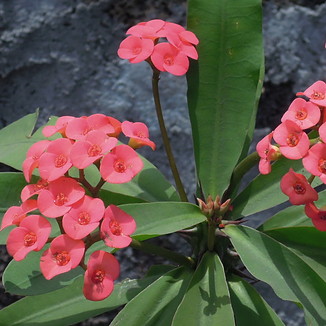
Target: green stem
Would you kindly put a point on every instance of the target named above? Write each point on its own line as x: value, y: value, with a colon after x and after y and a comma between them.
x: 168, y: 254
x: 211, y: 235
x: 166, y: 142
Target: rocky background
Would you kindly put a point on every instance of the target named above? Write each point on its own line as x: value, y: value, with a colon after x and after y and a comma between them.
x: 60, y: 56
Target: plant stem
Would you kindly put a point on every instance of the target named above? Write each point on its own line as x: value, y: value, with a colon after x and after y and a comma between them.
x: 211, y: 235
x: 168, y: 254
x: 166, y: 142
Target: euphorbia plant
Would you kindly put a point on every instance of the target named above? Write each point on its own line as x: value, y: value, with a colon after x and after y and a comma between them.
x: 89, y: 195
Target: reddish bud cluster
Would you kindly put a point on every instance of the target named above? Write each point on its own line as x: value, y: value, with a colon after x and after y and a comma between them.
x: 56, y: 195
x: 293, y: 143
x: 172, y: 56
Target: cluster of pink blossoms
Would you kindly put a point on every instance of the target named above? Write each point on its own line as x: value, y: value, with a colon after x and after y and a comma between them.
x: 82, y: 216
x: 292, y: 142
x: 172, y: 56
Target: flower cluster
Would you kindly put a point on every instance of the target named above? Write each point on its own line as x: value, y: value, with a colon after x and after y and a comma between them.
x: 172, y: 56
x: 293, y: 142
x: 73, y: 202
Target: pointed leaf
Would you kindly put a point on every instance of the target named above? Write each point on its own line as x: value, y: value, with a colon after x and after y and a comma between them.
x: 68, y: 306
x: 207, y: 300
x: 307, y: 242
x: 160, y: 218
x: 156, y: 305
x: 222, y: 85
x: 248, y: 305
x: 290, y: 277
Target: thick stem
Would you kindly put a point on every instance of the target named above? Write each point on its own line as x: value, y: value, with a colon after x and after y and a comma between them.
x: 159, y: 251
x: 166, y: 142
x: 211, y: 235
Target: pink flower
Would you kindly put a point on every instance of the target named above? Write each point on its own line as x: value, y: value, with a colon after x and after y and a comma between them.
x: 135, y: 49
x: 167, y: 57
x: 32, y: 158
x: 315, y: 161
x: 294, y: 143
x: 296, y: 186
x: 63, y: 255
x: 322, y: 132
x: 93, y: 147
x: 15, y: 214
x: 318, y: 216
x: 316, y: 93
x: 83, y: 217
x: 138, y: 133
x: 149, y: 30
x: 33, y: 189
x: 304, y: 114
x: 61, y: 195
x: 102, y: 269
x: 80, y: 127
x: 56, y: 161
x: 116, y: 227
x: 267, y: 153
x: 60, y: 126
x: 121, y: 165
x: 31, y: 235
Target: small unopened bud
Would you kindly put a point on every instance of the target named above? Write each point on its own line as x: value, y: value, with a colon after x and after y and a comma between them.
x: 225, y: 206
x: 217, y: 203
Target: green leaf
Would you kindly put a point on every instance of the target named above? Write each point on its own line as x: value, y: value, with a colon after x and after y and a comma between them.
x: 248, y: 305
x: 207, y: 300
x: 222, y: 85
x: 264, y: 191
x: 156, y: 305
x: 11, y: 185
x: 292, y: 216
x: 307, y: 242
x: 15, y: 139
x: 154, y: 219
x: 289, y: 276
x: 68, y: 306
x: 25, y: 277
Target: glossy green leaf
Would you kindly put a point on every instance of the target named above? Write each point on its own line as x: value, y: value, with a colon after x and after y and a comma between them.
x: 289, y: 276
x: 156, y: 305
x: 207, y: 300
x: 307, y: 242
x: 264, y: 191
x: 248, y: 305
x: 11, y: 185
x: 154, y: 219
x: 222, y: 85
x: 68, y: 306
x: 25, y: 278
x: 292, y: 216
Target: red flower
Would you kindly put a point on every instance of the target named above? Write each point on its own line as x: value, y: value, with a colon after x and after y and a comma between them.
x: 315, y: 161
x: 167, y: 57
x: 102, y: 269
x: 318, y: 216
x: 83, y: 217
x: 63, y: 255
x: 296, y: 186
x: 138, y: 133
x: 120, y: 165
x: 316, y: 93
x: 294, y: 143
x: 116, y: 227
x: 31, y: 235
